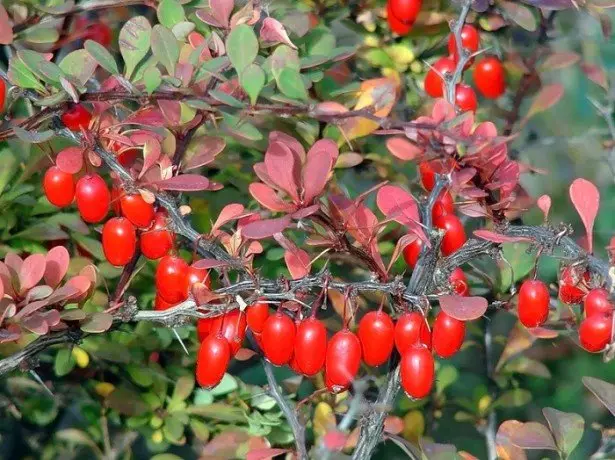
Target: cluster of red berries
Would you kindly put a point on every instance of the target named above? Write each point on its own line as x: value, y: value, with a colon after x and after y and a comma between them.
x: 175, y: 279
x: 401, y: 14
x: 489, y: 75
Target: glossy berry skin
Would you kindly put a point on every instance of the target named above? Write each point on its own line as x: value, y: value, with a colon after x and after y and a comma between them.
x: 232, y: 326
x: 443, y: 205
x: 572, y: 285
x: 597, y: 303
x: 411, y: 329
x: 342, y: 361
x: 412, y: 252
x: 595, y: 332
x: 533, y: 304
x: 465, y: 98
x: 158, y: 241
x: 377, y: 335
x: 490, y: 77
x: 447, y: 335
x: 93, y: 198
x: 172, y: 279
x: 278, y: 339
x: 137, y: 210
x: 459, y: 282
x: 417, y: 372
x: 119, y: 241
x: 310, y: 346
x: 76, y: 118
x: 204, y: 327
x: 454, y: 236
x: 212, y: 360
x: 434, y: 85
x: 428, y: 176
x: 470, y: 40
x: 405, y: 11
x: 257, y: 315
x: 198, y: 275
x: 59, y: 187
x: 2, y: 94
x: 395, y: 24
x: 160, y: 304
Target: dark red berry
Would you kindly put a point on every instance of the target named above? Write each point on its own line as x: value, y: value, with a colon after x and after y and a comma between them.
x: 158, y: 241
x: 454, y: 236
x: 533, y: 305
x: 459, y: 282
x: 465, y: 98
x: 490, y: 77
x: 172, y: 279
x: 412, y: 252
x: 443, y: 205
x: 232, y: 326
x: 434, y: 84
x: 212, y: 360
x: 137, y: 210
x: 257, y: 315
x: 395, y: 24
x: 597, y: 303
x: 405, y: 11
x: 342, y: 361
x: 76, y: 118
x: 470, y: 41
x: 595, y: 332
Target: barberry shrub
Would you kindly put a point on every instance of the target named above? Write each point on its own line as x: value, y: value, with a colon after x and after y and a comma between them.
x: 239, y: 229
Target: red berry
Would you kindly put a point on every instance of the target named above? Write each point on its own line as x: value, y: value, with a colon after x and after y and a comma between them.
x: 573, y: 285
x: 411, y: 329
x: 257, y: 314
x: 428, y: 176
x: 489, y: 77
x: 93, y: 198
x: 258, y: 338
x: 294, y: 365
x: 405, y: 11
x: 160, y: 304
x: 198, y: 275
x: 137, y: 210
x: 447, y: 335
x: 76, y: 118
x: 417, y: 371
x: 99, y: 32
x: 465, y: 98
x: 311, y: 346
x: 172, y: 279
x: 395, y: 24
x: 470, y: 40
x: 533, y: 305
x: 454, y: 233
x: 203, y: 327
x: 212, y: 360
x: 459, y: 282
x: 119, y: 241
x: 128, y: 157
x: 595, y: 332
x: 412, y: 252
x: 59, y: 186
x: 597, y: 303
x: 2, y: 94
x: 434, y: 84
x: 279, y: 339
x: 342, y: 361
x: 377, y: 335
x: 443, y: 205
x: 232, y: 326
x: 157, y: 242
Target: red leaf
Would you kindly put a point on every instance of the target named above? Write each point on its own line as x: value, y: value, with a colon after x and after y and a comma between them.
x: 206, y: 152
x: 151, y: 154
x: 463, y: 308
x: 596, y: 74
x: 32, y: 271
x: 403, y: 149
x: 171, y: 111
x: 185, y: 183
x: 70, y: 160
x: 297, y: 260
x: 229, y: 212
x: 320, y: 161
x: 543, y: 333
x: 274, y: 32
x: 281, y: 166
x: 305, y: 212
x: 36, y: 324
x: 334, y: 440
x: 293, y: 144
x: 544, y: 203
x: 6, y: 275
x: 222, y: 9
x: 400, y: 206
x: 586, y: 199
x: 533, y: 435
x: 265, y: 228
x: 547, y: 97
x: 209, y: 263
x: 6, y: 30
x: 268, y: 197
x: 393, y: 424
x: 499, y: 238
x: 13, y: 261
x: 265, y: 454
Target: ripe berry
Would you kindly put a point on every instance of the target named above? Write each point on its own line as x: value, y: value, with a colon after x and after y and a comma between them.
x: 572, y: 285
x: 212, y: 360
x: 465, y: 98
x: 128, y: 157
x: 459, y: 282
x: 533, y: 305
x: 137, y: 210
x: 119, y: 241
x: 158, y: 241
x: 204, y: 327
x: 160, y: 304
x: 59, y: 186
x: 417, y: 371
x: 411, y: 329
x: 342, y: 361
x: 93, y: 198
x: 489, y: 77
x: 172, y: 279
x: 405, y: 11
x: 454, y: 233
x: 232, y: 326
x: 310, y: 346
x: 2, y: 94
x: 470, y: 40
x: 198, y: 275
x: 428, y: 176
x: 597, y: 303
x: 257, y: 314
x: 412, y: 252
x: 443, y: 205
x: 76, y: 118
x: 434, y: 84
x: 279, y: 339
x: 395, y: 24
x: 99, y: 32
x: 377, y: 335
x: 447, y: 335
x: 595, y: 332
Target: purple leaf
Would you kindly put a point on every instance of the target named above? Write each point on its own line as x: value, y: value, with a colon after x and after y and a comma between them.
x: 586, y: 199
x: 273, y: 31
x: 463, y: 308
x: 29, y: 309
x: 221, y: 10
x: 320, y: 161
x: 229, y: 212
x: 171, y: 110
x: 268, y: 198
x: 400, y: 206
x: 297, y: 260
x: 13, y: 261
x: 551, y: 4
x: 36, y: 324
x: 403, y: 149
x: 151, y: 154
x: 32, y: 271
x: 533, y: 435
x: 6, y: 30
x: 265, y: 228
x: 281, y: 165
x: 185, y: 183
x: 566, y: 427
x: 70, y: 160
x: 604, y: 391
x: 206, y: 152
x: 293, y: 144
x: 305, y: 212
x: 499, y: 238
x: 209, y: 263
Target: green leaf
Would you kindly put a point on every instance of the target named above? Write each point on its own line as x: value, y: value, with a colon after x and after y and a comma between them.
x: 199, y: 429
x: 183, y: 388
x: 43, y: 232
x: 152, y: 79
x: 134, y: 42
x: 41, y: 67
x: 140, y: 374
x: 567, y: 428
x: 165, y: 48
x: 100, y: 54
x: 226, y: 99
x: 604, y: 391
x: 22, y: 76
x: 8, y: 166
x: 127, y: 402
x: 514, y: 398
x: 211, y: 68
x: 242, y: 47
x: 79, y: 64
x: 182, y: 29
x: 32, y: 137
x: 446, y: 376
x: 227, y: 385
x: 64, y: 362
x: 252, y: 80
x: 165, y: 457
x: 263, y: 401
x: 203, y: 397
x: 75, y: 436
x: 291, y: 84
x: 221, y: 412
x: 42, y: 34
x: 173, y: 429
x: 170, y: 12
x: 240, y: 128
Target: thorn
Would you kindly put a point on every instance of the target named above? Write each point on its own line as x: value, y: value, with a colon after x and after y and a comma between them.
x: 41, y: 383
x: 179, y: 339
